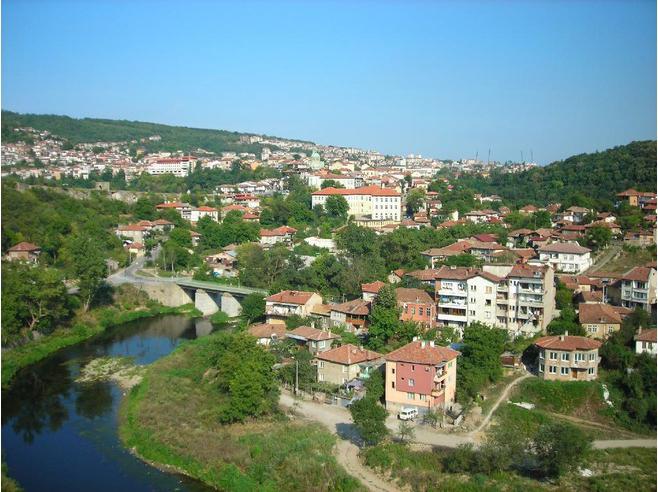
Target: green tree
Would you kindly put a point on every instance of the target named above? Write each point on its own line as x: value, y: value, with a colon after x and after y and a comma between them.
x: 87, y: 265
x: 369, y: 418
x: 560, y: 447
x: 566, y: 322
x: 253, y: 308
x: 415, y: 200
x: 598, y: 237
x: 144, y: 209
x: 406, y: 431
x: 480, y: 361
x: 384, y: 318
x: 337, y: 207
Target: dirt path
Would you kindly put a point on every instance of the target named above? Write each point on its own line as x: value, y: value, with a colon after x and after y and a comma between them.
x: 604, y: 258
x: 625, y: 443
x: 346, y: 452
x: 596, y: 425
x: 501, y: 398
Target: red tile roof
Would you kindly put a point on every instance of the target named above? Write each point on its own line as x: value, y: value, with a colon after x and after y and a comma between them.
x: 413, y: 295
x: 291, y: 297
x: 24, y: 246
x: 646, y: 336
x: 598, y: 313
x: 267, y: 330
x: 640, y: 274
x: 527, y: 271
x: 309, y: 333
x: 422, y: 352
x: 568, y: 342
x: 569, y: 248
x: 373, y: 287
x: 348, y: 354
x: 358, y: 307
x: 365, y: 190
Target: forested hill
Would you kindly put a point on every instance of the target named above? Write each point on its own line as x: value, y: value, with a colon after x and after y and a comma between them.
x: 598, y: 176
x: 89, y: 130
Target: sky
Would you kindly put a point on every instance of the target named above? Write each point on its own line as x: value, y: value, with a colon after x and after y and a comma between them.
x: 442, y: 79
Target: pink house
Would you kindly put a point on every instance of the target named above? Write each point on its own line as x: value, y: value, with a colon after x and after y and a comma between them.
x: 421, y: 375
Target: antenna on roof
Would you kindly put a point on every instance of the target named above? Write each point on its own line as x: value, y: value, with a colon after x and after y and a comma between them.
x: 489, y: 156
x: 532, y: 157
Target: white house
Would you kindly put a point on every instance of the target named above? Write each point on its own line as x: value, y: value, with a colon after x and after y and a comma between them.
x: 367, y: 203
x: 645, y: 342
x: 566, y: 257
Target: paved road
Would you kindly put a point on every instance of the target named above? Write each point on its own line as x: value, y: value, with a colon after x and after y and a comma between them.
x: 625, y: 443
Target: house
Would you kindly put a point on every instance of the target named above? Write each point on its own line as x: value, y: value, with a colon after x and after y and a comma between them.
x: 184, y: 209
x: 416, y: 305
x: 480, y: 249
x: 635, y: 198
x: 638, y: 288
x: 599, y: 320
x: 566, y: 257
x: 162, y: 225
x: 645, y: 342
x: 24, y: 251
x: 575, y: 214
x: 135, y: 248
x: 134, y: 232
x: 352, y: 314
x: 222, y: 264
x: 421, y: 375
x: 283, y: 234
x: 288, y: 303
x: 345, y: 363
x: 199, y: 213
x: 370, y: 291
x: 568, y: 358
x: 640, y: 238
x: 267, y: 333
x: 313, y: 339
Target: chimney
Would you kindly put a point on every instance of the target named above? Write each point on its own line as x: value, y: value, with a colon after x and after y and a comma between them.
x: 422, y: 344
x: 431, y: 343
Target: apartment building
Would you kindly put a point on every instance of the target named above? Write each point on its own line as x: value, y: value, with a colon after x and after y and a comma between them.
x: 421, y: 375
x: 283, y: 234
x: 566, y: 257
x: 178, y: 166
x: 465, y: 295
x: 638, y: 288
x: 525, y: 297
x: 568, y: 358
x: 184, y: 209
x: 370, y: 205
x: 287, y: 303
x: 316, y: 180
x: 204, y: 211
x: 314, y: 340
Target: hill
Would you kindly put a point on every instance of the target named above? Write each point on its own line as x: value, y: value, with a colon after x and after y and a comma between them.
x: 88, y: 130
x: 597, y: 176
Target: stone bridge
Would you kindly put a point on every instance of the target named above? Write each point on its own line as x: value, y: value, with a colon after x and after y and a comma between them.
x: 208, y: 297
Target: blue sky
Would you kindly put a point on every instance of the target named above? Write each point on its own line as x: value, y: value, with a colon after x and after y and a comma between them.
x: 443, y: 79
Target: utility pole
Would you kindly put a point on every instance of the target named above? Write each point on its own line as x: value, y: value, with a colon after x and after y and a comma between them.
x: 296, y: 377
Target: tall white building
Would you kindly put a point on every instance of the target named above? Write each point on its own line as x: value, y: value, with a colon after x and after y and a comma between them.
x: 566, y: 257
x: 367, y: 204
x: 178, y: 166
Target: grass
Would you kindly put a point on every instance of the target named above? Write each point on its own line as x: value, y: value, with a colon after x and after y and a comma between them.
x: 492, y: 393
x: 171, y: 419
x: 422, y: 471
x: 630, y: 257
x: 88, y: 325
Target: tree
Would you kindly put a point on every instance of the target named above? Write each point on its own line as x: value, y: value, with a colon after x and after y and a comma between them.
x: 566, y: 322
x: 330, y: 183
x: 480, y: 362
x: 415, y: 200
x: 253, y: 308
x: 384, y: 318
x: 369, y: 418
x: 87, y: 264
x: 374, y: 385
x: 406, y: 431
x: 560, y: 447
x: 337, y: 207
x: 598, y: 237
x: 181, y: 237
x: 144, y: 209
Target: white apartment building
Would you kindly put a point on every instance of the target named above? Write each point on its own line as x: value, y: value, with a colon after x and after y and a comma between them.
x: 645, y: 342
x: 566, y: 257
x: 465, y: 295
x: 178, y: 166
x: 198, y: 213
x: 369, y: 203
x: 638, y: 288
x: 315, y: 180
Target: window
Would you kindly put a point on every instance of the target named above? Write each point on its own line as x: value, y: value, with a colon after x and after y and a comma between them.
x: 565, y: 356
x: 579, y: 356
x: 413, y: 368
x: 473, y: 288
x: 411, y: 396
x: 392, y: 370
x: 393, y: 384
x: 488, y: 290
x: 411, y: 382
x: 321, y: 364
x: 552, y: 355
x: 413, y: 310
x: 321, y: 344
x: 422, y: 397
x: 590, y: 370
x: 541, y: 367
x: 471, y: 312
x: 344, y: 368
x: 592, y: 356
x: 487, y: 314
x: 564, y: 371
x: 472, y: 300
x: 552, y: 369
x: 320, y: 377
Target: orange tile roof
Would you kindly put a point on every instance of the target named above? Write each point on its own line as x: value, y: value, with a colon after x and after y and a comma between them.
x: 365, y: 190
x: 309, y: 333
x: 266, y: 330
x: 646, y: 336
x: 422, y: 352
x: 413, y: 295
x: 358, y: 307
x: 348, y: 354
x: 24, y: 246
x: 373, y: 287
x: 598, y: 313
x: 568, y: 342
x: 291, y: 297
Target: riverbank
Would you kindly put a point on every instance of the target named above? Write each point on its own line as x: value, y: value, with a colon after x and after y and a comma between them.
x: 171, y: 420
x: 84, y: 327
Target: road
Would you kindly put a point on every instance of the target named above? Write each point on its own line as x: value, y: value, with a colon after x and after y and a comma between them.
x: 625, y: 443
x: 129, y: 275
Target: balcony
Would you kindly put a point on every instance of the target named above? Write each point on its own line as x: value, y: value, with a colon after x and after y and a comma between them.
x: 453, y: 292
x: 438, y: 390
x: 452, y: 317
x: 282, y: 311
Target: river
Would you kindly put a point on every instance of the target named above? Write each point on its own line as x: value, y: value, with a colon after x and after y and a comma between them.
x: 59, y: 435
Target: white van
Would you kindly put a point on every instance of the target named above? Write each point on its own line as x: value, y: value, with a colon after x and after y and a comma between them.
x: 408, y: 414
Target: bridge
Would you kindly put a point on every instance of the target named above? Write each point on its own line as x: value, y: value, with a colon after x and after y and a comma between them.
x: 210, y: 297
x: 207, y: 297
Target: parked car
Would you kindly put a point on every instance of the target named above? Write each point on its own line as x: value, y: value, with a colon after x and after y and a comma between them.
x: 408, y: 414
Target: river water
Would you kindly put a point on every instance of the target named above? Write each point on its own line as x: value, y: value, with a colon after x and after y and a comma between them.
x: 59, y: 435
